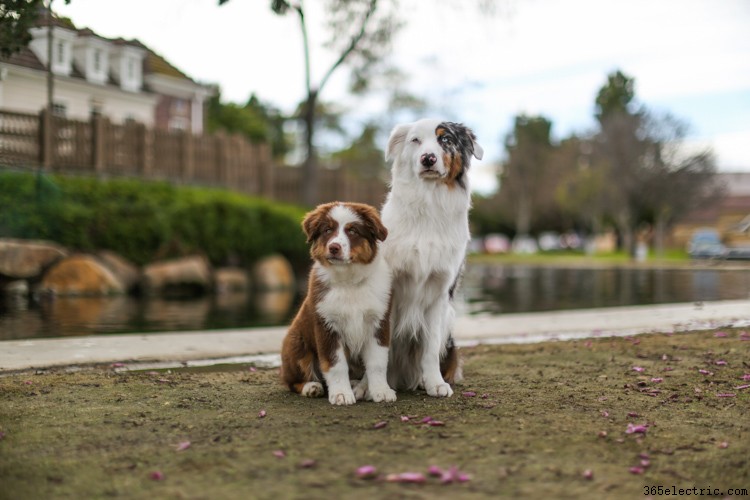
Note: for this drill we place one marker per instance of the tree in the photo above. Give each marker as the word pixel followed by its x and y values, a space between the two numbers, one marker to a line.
pixel 16 18
pixel 642 157
pixel 359 32
pixel 257 121
pixel 524 182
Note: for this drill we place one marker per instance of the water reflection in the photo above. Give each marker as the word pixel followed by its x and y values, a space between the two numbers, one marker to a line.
pixel 499 289
pixel 70 316
pixel 493 289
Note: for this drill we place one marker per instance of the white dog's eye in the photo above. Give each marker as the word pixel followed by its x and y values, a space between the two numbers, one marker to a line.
pixel 444 139
pixel 416 140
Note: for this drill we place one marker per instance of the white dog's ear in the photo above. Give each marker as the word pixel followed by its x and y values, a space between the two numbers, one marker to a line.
pixel 396 141
pixel 478 151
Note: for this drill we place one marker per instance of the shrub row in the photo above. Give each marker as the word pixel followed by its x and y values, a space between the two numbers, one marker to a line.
pixel 146 220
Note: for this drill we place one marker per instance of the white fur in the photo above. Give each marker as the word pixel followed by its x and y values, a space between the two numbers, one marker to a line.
pixel 343 215
pixel 428 232
pixel 354 306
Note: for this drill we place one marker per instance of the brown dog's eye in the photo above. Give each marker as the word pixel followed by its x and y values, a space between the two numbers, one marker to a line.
pixel 352 232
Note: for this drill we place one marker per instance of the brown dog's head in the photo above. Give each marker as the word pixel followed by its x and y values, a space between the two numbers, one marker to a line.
pixel 344 233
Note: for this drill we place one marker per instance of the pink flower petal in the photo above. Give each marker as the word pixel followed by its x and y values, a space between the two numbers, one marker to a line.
pixel 636 429
pixel 435 423
pixel 425 420
pixel 2 435
pixel 404 418
pixel 720 334
pixel 743 386
pixel 588 474
pixel 262 414
pixel 744 336
pixel 636 470
pixel 307 463
pixel 645 463
pixel 367 472
pixel 638 369
pixel 468 394
pixel 720 362
pixel 463 477
pixel 406 477
pixel 746 376
pixel 723 445
pixel 117 365
pixel 726 395
pixel 156 476
pixel 484 396
pixel 605 413
pixel 602 434
pixel 380 424
pixel 434 471
pixel 657 380
pixel 632 414
pixel 279 453
pixel 252 369
pixel 182 446
pixel 705 372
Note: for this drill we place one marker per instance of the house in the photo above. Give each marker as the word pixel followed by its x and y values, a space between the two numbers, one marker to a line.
pixel 121 79
pixel 730 216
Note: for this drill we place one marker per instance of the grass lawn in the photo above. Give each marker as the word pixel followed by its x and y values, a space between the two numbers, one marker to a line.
pixel 600 418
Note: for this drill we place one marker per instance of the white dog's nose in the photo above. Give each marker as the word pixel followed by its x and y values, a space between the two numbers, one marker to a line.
pixel 428 159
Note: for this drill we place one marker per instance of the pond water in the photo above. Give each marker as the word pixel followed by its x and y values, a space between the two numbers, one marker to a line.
pixel 486 289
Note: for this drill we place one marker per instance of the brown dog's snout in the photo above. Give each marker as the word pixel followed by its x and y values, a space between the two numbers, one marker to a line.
pixel 428 159
pixel 334 249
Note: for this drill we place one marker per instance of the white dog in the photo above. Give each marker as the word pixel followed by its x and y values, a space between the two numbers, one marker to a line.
pixel 426 214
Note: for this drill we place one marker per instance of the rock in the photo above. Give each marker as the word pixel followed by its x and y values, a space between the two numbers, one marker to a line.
pixel 273 273
pixel 80 275
pixel 127 272
pixel 184 277
pixel 21 259
pixel 231 279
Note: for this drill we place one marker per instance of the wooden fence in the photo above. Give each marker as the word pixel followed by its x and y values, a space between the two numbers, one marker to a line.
pixel 100 148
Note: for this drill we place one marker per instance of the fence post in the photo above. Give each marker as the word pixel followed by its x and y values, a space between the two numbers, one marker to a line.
pixel 220 159
pixel 46 139
pixel 144 137
pixel 188 160
pixel 98 146
pixel 266 169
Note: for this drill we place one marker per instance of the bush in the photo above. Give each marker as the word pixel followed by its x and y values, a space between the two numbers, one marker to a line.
pixel 143 220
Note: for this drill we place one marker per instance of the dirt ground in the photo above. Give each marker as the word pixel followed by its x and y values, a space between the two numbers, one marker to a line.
pixel 600 418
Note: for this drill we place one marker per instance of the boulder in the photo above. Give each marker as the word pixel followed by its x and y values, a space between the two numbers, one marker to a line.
pixel 273 273
pixel 22 259
pixel 80 275
pixel 127 272
pixel 187 276
pixel 231 280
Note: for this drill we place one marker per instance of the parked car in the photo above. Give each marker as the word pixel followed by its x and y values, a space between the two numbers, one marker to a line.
pixel 549 241
pixel 706 244
pixel 737 253
pixel 496 243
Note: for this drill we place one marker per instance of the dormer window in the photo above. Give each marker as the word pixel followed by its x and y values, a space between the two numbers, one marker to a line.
pixel 97 61
pixel 60 53
pixel 126 65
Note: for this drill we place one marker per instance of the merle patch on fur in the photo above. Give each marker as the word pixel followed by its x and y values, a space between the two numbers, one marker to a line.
pixel 457 142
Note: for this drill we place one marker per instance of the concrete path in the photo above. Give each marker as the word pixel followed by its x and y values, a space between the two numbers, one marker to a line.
pixel 261 345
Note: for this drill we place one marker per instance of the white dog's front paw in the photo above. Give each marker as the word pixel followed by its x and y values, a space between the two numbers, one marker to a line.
pixel 341 397
pixel 312 390
pixel 380 394
pixel 440 390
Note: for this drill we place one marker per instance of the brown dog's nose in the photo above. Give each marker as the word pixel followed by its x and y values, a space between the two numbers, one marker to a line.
pixel 334 248
pixel 428 159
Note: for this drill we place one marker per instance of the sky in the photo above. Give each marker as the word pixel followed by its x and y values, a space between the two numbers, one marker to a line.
pixel 690 58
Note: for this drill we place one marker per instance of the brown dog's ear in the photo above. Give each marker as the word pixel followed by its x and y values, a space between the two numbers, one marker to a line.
pixel 371 220
pixel 312 223
pixel 396 141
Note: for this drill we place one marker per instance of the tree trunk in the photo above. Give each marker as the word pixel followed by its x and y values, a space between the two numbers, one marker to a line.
pixel 310 166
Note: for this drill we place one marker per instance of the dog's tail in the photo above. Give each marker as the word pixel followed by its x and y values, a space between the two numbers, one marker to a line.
pixel 450 366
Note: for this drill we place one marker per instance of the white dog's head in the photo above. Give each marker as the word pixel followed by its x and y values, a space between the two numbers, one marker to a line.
pixel 433 150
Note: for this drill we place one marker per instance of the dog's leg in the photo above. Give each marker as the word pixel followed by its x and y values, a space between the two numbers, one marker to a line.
pixel 376 367
pixel 433 340
pixel 337 379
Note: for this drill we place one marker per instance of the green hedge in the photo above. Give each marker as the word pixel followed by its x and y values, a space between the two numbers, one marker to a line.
pixel 143 220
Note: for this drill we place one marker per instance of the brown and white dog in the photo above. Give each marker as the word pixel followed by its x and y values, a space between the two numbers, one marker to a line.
pixel 426 214
pixel 342 327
